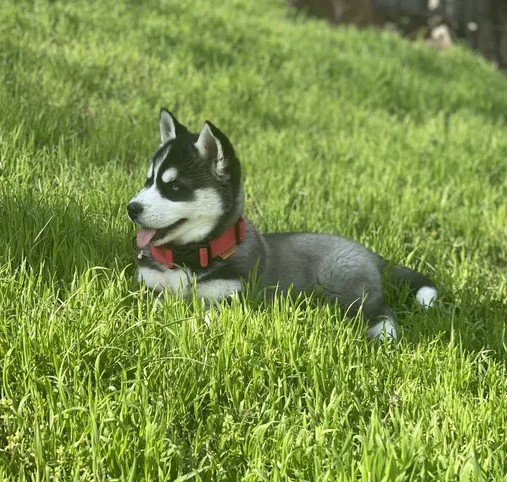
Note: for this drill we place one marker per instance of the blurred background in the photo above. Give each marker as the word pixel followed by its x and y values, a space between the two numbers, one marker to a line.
pixel 480 24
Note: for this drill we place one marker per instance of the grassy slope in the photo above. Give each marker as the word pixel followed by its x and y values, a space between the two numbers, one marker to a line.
pixel 339 131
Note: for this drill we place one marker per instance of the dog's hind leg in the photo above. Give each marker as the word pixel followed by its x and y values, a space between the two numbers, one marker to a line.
pixel 379 317
pixel 367 298
pixel 382 326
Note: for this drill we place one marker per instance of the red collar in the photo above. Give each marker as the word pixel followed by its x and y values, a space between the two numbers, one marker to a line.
pixel 221 247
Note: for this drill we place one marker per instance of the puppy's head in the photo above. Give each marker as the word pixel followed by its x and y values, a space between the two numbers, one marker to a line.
pixel 192 186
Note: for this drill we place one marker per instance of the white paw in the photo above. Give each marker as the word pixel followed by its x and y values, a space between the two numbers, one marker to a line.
pixel 382 330
pixel 207 319
pixel 426 296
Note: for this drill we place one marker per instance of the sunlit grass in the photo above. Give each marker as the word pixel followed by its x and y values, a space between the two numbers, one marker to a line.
pixel 338 130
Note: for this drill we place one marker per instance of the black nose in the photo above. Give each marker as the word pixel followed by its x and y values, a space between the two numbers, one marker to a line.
pixel 134 210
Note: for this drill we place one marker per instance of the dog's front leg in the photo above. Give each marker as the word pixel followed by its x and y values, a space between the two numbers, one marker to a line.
pixel 214 291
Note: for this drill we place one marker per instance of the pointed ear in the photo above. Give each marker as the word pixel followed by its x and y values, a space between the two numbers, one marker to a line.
pixel 211 148
pixel 169 126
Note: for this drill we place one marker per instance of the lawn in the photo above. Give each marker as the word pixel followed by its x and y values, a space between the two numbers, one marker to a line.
pixel 338 130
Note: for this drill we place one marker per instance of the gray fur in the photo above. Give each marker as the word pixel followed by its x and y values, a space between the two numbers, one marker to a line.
pixel 342 270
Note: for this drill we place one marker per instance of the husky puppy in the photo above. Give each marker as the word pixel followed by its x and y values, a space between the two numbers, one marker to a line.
pixel 192 228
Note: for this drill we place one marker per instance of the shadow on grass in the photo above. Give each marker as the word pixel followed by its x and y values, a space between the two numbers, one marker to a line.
pixel 82 108
pixel 59 239
pixel 476 326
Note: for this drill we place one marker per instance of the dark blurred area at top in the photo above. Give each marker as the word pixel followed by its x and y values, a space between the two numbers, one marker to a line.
pixel 480 24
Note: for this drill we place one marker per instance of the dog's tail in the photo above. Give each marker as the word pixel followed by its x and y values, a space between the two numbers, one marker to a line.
pixel 423 288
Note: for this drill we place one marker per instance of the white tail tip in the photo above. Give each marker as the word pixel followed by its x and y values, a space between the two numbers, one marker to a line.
pixel 426 296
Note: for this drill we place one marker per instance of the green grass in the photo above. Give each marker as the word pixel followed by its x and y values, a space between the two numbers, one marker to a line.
pixel 338 130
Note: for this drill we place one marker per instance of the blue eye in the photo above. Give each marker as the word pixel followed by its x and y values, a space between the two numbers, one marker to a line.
pixel 175 190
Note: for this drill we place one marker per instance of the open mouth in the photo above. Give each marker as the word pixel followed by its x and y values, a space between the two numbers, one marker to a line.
pixel 146 236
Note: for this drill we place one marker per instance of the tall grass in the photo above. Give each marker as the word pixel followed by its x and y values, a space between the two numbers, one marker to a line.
pixel 338 130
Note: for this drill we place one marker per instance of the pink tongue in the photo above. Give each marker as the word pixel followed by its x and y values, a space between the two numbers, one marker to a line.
pixel 144 236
